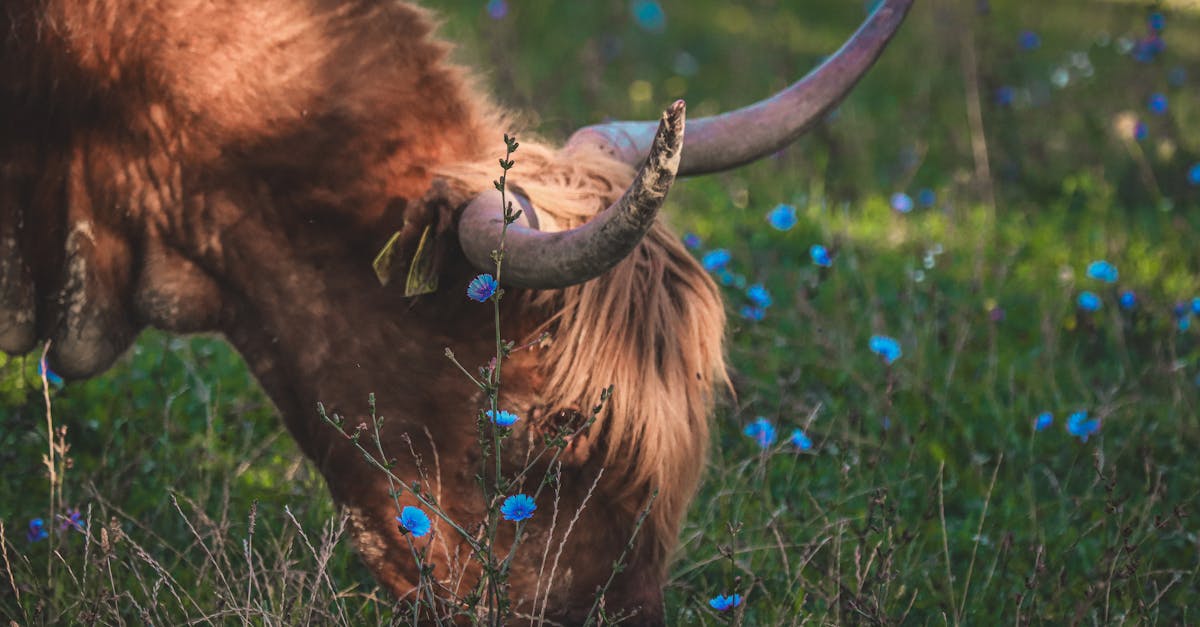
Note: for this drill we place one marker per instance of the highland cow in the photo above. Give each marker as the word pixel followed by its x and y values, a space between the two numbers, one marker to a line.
pixel 227 166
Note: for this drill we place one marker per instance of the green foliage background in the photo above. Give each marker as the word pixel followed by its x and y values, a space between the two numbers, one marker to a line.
pixel 928 496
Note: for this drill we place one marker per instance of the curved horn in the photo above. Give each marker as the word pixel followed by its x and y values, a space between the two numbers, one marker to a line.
pixel 534 259
pixel 738 137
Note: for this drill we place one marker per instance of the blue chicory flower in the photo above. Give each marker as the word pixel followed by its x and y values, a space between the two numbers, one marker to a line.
pixel 752 313
pixel 649 16
pixel 902 202
pixel 1079 426
pixel 1193 174
pixel 714 260
pixel 782 217
pixel 1141 131
pixel 73 520
pixel 1158 104
pixel 481 288
pixel 759 295
pixel 497 9
pixel 518 507
pixel 1043 421
pixel 1089 302
pixel 926 198
pixel 1103 271
pixel 37 530
pixel 820 256
pixel 1196 305
pixel 692 241
pixel 1005 96
pixel 1185 323
pixel 762 431
pixel 800 440
pixel 723 603
pixel 1029 40
pixel 1156 21
pixel 503 419
pixel 1128 300
pixel 885 347
pixel 414 521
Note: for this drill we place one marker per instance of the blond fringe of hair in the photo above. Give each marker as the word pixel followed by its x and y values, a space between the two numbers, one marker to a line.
pixel 652 328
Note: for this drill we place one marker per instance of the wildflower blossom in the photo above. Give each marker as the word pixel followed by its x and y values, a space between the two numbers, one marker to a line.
pixel 1005 96
pixel 762 431
pixel 752 313
pixel 51 377
pixel 518 507
pixel 414 521
pixel 1029 40
pixel 926 198
pixel 1089 302
pixel 1156 21
pixel 1079 426
pixel 1141 131
pixel 820 256
pixel 1194 174
pixel 1128 300
pixel 1043 421
pixel 722 603
pixel 1103 271
pixel 1196 305
pixel 716 259
pixel 649 16
pixel 759 295
pixel 481 288
pixel 1158 104
pixel 692 241
pixel 886 347
pixel 800 440
pixel 73 520
pixel 503 418
pixel 497 9
pixel 37 530
pixel 902 202
pixel 782 217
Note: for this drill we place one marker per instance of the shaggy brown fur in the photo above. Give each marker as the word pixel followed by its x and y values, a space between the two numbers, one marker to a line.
pixel 233 166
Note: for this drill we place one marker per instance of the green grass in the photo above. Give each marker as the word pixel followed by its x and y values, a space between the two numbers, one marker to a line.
pixel 952 510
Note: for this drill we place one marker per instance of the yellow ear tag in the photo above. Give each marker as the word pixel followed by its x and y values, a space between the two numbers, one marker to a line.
pixel 385 258
pixel 422 276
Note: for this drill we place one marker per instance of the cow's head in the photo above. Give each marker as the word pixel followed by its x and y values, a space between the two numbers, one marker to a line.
pixel 235 167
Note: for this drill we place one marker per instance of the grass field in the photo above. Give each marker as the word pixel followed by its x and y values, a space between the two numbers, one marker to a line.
pixel 1028 142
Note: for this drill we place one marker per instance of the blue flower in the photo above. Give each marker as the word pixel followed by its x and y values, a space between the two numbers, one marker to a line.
pixel 37 530
pixel 1193 174
pixel 1158 103
pixel 503 419
pixel 1185 323
pixel 518 507
pixel 1128 300
pixel 481 288
pixel 692 241
pixel 782 217
pixel 725 276
pixel 926 197
pixel 649 16
pixel 885 347
pixel 1043 420
pixel 1079 426
pixel 51 377
pixel 1029 40
pixel 716 259
pixel 1141 131
pixel 800 440
pixel 497 9
pixel 902 202
pixel 722 603
pixel 752 313
pixel 1089 302
pixel 820 256
pixel 1196 305
pixel 1156 21
pixel 759 295
pixel 73 520
pixel 1005 96
pixel 762 431
pixel 414 521
pixel 1103 270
